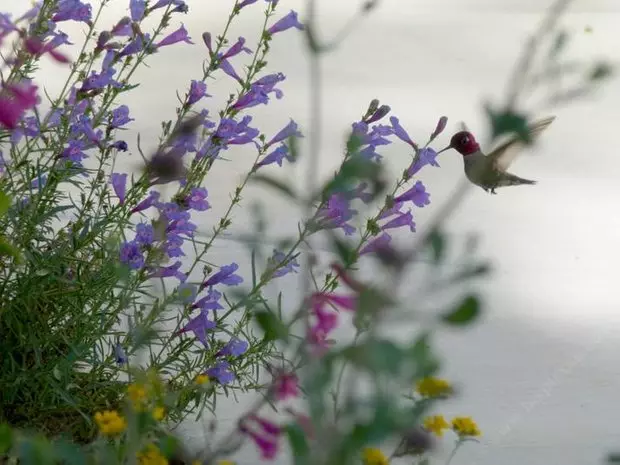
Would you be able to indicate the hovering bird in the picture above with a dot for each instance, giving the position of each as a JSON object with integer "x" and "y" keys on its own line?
{"x": 489, "y": 171}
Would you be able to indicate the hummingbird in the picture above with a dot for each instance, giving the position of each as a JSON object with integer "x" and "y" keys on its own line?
{"x": 490, "y": 171}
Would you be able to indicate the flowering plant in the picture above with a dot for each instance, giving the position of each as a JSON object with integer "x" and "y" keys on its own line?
{"x": 93, "y": 349}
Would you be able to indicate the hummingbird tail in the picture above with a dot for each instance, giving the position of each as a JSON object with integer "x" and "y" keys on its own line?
{"x": 514, "y": 180}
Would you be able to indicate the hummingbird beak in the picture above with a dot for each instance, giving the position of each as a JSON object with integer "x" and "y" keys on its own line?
{"x": 444, "y": 149}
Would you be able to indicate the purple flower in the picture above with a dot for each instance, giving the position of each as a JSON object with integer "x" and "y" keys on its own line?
{"x": 180, "y": 35}
{"x": 221, "y": 372}
{"x": 290, "y": 130}
{"x": 197, "y": 199}
{"x": 169, "y": 271}
{"x": 131, "y": 254}
{"x": 382, "y": 111}
{"x": 180, "y": 4}
{"x": 236, "y": 49}
{"x": 145, "y": 234}
{"x": 137, "y": 7}
{"x": 197, "y": 90}
{"x": 426, "y": 156}
{"x": 199, "y": 325}
{"x": 417, "y": 194}
{"x": 277, "y": 258}
{"x": 245, "y": 3}
{"x": 401, "y": 219}
{"x": 99, "y": 81}
{"x": 224, "y": 276}
{"x": 122, "y": 28}
{"x": 441, "y": 125}
{"x": 120, "y": 145}
{"x": 119, "y": 181}
{"x": 210, "y": 301}
{"x": 400, "y": 132}
{"x": 228, "y": 69}
{"x": 381, "y": 242}
{"x": 73, "y": 10}
{"x": 336, "y": 214}
{"x": 152, "y": 198}
{"x": 136, "y": 45}
{"x": 120, "y": 117}
{"x": 234, "y": 348}
{"x": 289, "y": 21}
{"x": 120, "y": 357}
{"x": 277, "y": 156}
{"x": 239, "y": 133}
{"x": 255, "y": 96}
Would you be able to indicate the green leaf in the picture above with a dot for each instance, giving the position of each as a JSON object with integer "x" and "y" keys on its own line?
{"x": 466, "y": 312}
{"x": 273, "y": 328}
{"x": 377, "y": 356}
{"x": 600, "y": 71}
{"x": 6, "y": 438}
{"x": 274, "y": 184}
{"x": 559, "y": 43}
{"x": 299, "y": 445}
{"x": 5, "y": 203}
{"x": 438, "y": 245}
{"x": 508, "y": 122}
{"x": 8, "y": 249}
{"x": 347, "y": 254}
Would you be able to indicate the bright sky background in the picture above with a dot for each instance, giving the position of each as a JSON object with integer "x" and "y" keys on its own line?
{"x": 540, "y": 373}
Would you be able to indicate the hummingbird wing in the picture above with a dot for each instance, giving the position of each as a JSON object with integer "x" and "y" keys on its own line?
{"x": 504, "y": 154}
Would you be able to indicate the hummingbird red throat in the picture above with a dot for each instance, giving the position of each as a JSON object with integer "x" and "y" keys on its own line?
{"x": 490, "y": 171}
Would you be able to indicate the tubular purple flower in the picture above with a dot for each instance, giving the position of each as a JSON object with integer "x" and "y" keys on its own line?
{"x": 441, "y": 125}
{"x": 210, "y": 301}
{"x": 401, "y": 133}
{"x": 120, "y": 117}
{"x": 197, "y": 90}
{"x": 120, "y": 145}
{"x": 277, "y": 156}
{"x": 136, "y": 8}
{"x": 290, "y": 130}
{"x": 131, "y": 254}
{"x": 180, "y": 35}
{"x": 145, "y": 234}
{"x": 234, "y": 348}
{"x": 123, "y": 28}
{"x": 119, "y": 181}
{"x": 417, "y": 194}
{"x": 169, "y": 271}
{"x": 197, "y": 199}
{"x": 206, "y": 38}
{"x": 402, "y": 219}
{"x": 287, "y": 22}
{"x": 381, "y": 242}
{"x": 180, "y": 4}
{"x": 136, "y": 45}
{"x": 425, "y": 156}
{"x": 221, "y": 372}
{"x": 253, "y": 97}
{"x": 277, "y": 258}
{"x": 235, "y": 49}
{"x": 151, "y": 200}
{"x": 245, "y": 3}
{"x": 224, "y": 276}
{"x": 120, "y": 357}
{"x": 229, "y": 70}
{"x": 72, "y": 10}
{"x": 199, "y": 325}
{"x": 382, "y": 111}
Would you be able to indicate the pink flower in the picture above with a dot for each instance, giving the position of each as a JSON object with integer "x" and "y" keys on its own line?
{"x": 267, "y": 439}
{"x": 286, "y": 386}
{"x": 15, "y": 101}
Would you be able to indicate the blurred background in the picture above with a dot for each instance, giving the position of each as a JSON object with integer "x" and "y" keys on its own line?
{"x": 539, "y": 373}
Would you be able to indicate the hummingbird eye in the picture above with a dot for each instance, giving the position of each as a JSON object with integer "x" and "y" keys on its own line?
{"x": 464, "y": 140}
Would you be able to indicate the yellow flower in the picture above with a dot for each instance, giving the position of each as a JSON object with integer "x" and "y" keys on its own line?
{"x": 137, "y": 394}
{"x": 151, "y": 456}
{"x": 110, "y": 422}
{"x": 436, "y": 424}
{"x": 159, "y": 413}
{"x": 433, "y": 387}
{"x": 202, "y": 379}
{"x": 465, "y": 426}
{"x": 374, "y": 456}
